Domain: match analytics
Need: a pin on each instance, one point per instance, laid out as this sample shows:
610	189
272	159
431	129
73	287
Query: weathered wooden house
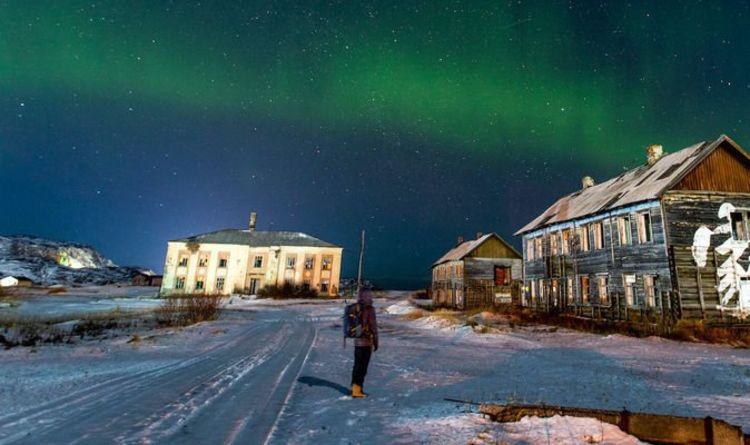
147	278
480	272
664	241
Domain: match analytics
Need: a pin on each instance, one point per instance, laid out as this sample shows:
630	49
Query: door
253	288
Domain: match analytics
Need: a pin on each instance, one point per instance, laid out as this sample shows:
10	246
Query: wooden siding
685	213
494	248
613	261
724	170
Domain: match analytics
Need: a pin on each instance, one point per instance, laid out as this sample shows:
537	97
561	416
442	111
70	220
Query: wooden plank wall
725	169
686	212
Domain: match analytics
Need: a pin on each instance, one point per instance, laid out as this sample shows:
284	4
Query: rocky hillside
50	262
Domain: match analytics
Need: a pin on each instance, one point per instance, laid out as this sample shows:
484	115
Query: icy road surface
278	374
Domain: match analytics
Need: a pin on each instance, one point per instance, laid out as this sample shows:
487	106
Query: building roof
257	238
641	184
462	250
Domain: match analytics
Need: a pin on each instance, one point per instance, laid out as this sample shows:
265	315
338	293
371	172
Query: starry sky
125	124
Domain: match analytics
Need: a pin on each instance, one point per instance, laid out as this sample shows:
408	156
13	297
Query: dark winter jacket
369	321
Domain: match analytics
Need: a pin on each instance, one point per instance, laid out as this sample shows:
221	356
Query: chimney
654	152
460	240
587	181
479	235
253	218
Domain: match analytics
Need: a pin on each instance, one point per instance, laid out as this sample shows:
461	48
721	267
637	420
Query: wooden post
709	428
361	258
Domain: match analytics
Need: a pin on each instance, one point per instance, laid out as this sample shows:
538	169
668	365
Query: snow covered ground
278	373
80	300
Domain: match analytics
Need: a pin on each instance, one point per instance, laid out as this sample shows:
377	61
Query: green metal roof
257	238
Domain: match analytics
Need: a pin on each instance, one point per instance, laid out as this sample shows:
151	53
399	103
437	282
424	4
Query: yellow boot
357	392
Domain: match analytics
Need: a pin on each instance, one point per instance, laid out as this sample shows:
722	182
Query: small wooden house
666	240
476	273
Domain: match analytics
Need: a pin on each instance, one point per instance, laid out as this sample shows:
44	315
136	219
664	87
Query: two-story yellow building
244	261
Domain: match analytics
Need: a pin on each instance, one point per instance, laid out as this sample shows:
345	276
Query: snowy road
280	375
231	393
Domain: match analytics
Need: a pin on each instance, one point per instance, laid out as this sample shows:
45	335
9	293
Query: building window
584	289
306	284
645	233
740	226
199	284
569	291
566	242
183	260
625	230
258	261
220	284
291	261
502	275
203	259
223	260
532	285
530	249
628	282
554	243
324	285
598	235
309	262
327	263
179	283
601	284
649	290
583	238
538	247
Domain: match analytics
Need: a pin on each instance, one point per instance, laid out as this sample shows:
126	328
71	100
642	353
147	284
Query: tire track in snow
106	394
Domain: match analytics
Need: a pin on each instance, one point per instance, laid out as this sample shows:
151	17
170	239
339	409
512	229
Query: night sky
125	124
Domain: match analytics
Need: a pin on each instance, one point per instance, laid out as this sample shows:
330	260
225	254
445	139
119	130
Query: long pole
361	258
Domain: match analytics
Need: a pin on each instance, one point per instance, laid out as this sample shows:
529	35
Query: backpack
353	326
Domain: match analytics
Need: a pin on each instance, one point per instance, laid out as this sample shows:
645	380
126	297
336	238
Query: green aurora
482	78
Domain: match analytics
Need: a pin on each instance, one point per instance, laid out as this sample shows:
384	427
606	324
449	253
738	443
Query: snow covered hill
54	262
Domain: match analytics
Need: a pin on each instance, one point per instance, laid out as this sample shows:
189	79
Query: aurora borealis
124	124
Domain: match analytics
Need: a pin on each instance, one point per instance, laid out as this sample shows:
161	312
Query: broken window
554	243
291	261
538	247
649	290
309	262
628	282
530	249
598	235
324	285
583	238
220	284
199	284
740	226
258	261
566	242
625	230
184	257
645	234
179	283
584	289
569	296
601	284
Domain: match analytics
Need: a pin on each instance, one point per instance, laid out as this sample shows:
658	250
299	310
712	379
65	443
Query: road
233	393
279	375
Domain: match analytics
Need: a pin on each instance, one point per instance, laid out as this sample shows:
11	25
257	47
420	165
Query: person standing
365	345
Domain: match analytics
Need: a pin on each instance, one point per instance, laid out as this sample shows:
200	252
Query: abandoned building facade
475	273
666	239
244	261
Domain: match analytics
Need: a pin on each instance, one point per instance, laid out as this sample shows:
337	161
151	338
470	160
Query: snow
81	301
284	359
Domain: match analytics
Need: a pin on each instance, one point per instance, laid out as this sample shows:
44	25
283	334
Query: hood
365	297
